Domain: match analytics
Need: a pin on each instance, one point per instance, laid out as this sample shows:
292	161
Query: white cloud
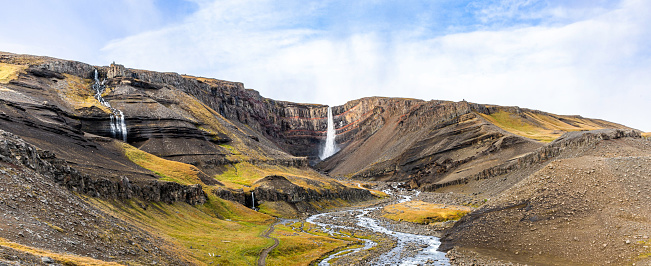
73	29
595	67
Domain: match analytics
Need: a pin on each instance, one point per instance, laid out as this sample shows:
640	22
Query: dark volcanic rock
279	188
16	151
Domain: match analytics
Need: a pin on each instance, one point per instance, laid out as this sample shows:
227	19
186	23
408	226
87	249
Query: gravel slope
590	205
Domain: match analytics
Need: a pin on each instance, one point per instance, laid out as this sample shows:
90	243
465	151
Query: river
410	249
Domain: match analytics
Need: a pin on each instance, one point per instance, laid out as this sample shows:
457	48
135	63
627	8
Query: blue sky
586	57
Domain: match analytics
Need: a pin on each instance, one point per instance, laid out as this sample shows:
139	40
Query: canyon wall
424	142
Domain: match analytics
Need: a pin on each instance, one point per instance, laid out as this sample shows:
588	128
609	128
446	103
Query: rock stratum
205	148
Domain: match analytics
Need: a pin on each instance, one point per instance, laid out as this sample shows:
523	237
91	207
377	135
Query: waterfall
330	146
118	126
253	201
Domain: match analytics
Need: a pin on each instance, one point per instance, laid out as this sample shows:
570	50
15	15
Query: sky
583	57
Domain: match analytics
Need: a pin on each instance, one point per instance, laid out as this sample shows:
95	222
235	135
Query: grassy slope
9	72
65	259
299	248
424	212
196	231
217	227
540	126
221	227
169	170
78	93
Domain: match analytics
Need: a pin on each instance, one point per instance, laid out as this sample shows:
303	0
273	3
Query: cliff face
212	125
192	120
437	143
16	151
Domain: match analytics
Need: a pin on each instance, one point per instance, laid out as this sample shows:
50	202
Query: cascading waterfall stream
330	147
253	201
118	125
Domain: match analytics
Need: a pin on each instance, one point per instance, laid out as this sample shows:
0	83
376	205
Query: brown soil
38	213
591	205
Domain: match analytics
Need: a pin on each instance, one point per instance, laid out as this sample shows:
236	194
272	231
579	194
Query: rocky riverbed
384	242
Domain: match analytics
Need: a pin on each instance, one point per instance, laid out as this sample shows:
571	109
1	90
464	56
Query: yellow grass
65	259
646	134
78	93
9	72
299	248
541	127
244	175
220	227
278	209
173	171
424	212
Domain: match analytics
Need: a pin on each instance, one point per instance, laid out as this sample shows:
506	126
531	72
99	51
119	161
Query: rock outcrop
277	188
16	151
571	140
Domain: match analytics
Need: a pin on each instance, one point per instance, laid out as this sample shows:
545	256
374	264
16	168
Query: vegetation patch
9	72
646	134
229	231
278	209
78	93
424	212
538	126
329	204
244	175
65	259
300	248
173	171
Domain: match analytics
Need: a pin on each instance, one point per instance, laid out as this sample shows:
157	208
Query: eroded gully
408	249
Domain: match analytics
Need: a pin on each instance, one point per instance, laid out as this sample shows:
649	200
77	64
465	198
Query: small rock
47	260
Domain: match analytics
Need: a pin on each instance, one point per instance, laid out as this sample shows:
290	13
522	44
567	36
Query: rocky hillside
144	150
149	150
214	126
582	199
434	143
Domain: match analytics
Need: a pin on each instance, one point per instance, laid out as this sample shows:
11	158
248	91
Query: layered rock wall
16	151
580	139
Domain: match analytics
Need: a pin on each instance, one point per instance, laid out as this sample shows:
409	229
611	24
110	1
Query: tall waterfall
118	125
330	146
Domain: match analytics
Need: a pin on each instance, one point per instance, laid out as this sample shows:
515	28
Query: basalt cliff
144	151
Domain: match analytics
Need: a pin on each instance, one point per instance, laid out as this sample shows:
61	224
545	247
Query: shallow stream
410	249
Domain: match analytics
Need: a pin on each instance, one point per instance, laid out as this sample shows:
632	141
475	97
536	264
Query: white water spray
118	125
253	201
330	147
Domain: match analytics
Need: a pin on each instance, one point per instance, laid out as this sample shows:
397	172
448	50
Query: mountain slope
177	158
438	142
581	200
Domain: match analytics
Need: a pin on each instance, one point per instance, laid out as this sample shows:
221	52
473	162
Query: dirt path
265	252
